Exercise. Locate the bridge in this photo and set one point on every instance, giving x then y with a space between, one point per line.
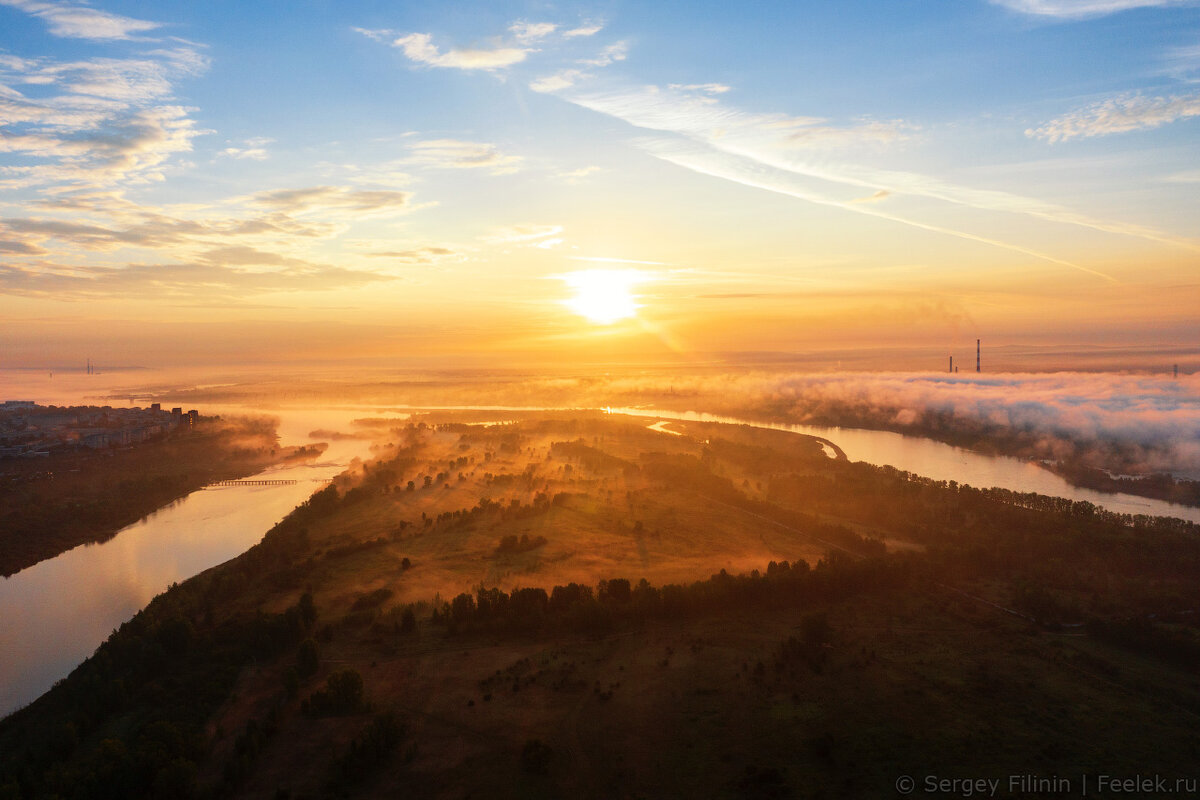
254 483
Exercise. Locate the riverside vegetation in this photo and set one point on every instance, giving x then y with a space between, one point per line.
49 505
578 606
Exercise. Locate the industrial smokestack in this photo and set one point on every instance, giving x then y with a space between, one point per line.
952 363
977 355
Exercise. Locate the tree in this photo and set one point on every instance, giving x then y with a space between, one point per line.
343 694
308 611
615 591
462 608
308 659
536 756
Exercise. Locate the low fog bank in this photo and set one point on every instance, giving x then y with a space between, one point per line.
1122 423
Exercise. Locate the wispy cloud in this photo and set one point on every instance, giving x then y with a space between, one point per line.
587 29
563 79
130 149
1183 63
577 175
327 198
878 197
1081 9
245 230
248 245
97 122
426 255
526 32
755 174
419 47
779 145
522 39
617 51
82 133
522 233
706 88
183 280
612 260
1187 176
702 117
455 154
82 22
254 149
1129 112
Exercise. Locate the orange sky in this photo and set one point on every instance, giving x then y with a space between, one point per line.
418 186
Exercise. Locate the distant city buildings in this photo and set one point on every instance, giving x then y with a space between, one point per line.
28 430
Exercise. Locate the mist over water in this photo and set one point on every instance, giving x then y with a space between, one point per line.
55 613
52 615
944 462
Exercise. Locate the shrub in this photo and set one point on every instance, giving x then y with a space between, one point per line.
343 694
535 757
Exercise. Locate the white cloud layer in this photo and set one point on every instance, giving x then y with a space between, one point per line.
617 51
455 154
706 88
82 22
558 81
1080 9
419 47
1130 112
522 233
587 29
253 149
793 155
95 122
526 32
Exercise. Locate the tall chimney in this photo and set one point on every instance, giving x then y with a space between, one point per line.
977 355
952 363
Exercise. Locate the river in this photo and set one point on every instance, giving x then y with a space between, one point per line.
945 462
55 613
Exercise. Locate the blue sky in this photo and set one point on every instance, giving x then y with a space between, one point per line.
770 176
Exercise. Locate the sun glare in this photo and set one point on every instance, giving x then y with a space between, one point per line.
603 296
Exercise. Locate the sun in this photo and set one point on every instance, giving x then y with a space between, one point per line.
603 296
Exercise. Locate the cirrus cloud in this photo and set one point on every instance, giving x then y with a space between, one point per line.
456 154
1081 9
419 47
1129 112
82 22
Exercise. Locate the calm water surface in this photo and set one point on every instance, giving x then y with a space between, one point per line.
54 614
944 462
